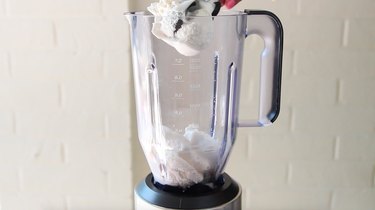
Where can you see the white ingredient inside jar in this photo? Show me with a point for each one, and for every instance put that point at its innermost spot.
(184, 160)
(174, 23)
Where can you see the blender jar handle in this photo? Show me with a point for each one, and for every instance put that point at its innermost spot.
(268, 26)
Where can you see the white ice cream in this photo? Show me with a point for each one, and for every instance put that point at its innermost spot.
(174, 23)
(183, 160)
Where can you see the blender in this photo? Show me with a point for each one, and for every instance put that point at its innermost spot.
(187, 107)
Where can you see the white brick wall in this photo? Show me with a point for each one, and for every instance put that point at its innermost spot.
(17, 33)
(275, 199)
(47, 8)
(33, 202)
(65, 133)
(67, 118)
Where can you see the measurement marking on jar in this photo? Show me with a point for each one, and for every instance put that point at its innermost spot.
(195, 67)
(195, 60)
(195, 64)
(195, 106)
(178, 96)
(178, 78)
(178, 130)
(195, 86)
(178, 62)
(178, 112)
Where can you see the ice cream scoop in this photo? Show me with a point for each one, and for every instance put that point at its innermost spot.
(174, 23)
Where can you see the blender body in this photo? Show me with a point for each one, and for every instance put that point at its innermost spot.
(187, 107)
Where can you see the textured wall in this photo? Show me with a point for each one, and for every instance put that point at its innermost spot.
(64, 105)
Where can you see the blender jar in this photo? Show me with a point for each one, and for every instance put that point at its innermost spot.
(187, 106)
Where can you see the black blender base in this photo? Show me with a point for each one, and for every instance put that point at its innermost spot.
(225, 197)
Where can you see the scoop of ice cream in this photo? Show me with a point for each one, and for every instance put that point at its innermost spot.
(184, 160)
(174, 23)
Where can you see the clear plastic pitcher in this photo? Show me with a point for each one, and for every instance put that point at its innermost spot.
(187, 107)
